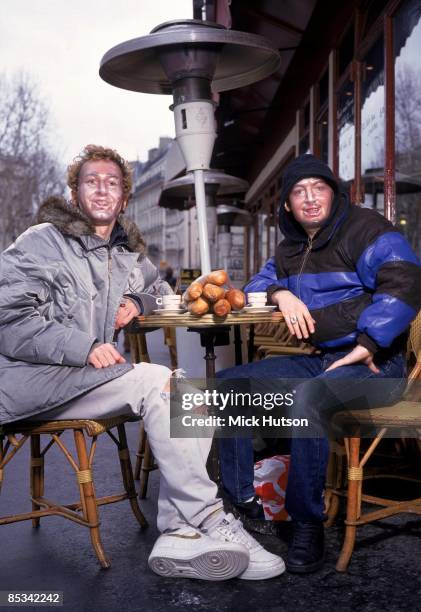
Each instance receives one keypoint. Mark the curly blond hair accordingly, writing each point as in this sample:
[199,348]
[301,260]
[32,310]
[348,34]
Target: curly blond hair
[95,153]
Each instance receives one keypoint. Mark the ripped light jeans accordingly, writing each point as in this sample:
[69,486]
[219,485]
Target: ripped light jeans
[186,493]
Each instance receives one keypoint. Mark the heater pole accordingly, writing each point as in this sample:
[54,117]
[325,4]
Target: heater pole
[199,187]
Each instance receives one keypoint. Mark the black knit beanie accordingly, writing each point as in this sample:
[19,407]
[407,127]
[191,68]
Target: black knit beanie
[302,167]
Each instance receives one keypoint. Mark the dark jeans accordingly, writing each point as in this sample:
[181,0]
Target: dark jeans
[309,456]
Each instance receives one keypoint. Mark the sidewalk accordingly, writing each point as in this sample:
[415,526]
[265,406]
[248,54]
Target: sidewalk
[384,573]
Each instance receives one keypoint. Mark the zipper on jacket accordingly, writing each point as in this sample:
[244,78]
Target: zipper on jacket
[108,293]
[303,263]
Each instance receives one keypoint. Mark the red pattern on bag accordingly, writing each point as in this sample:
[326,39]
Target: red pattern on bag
[270,483]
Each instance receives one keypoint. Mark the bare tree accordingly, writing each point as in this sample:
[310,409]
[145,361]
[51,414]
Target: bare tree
[408,149]
[29,170]
[408,117]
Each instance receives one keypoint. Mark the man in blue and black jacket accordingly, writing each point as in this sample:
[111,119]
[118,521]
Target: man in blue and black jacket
[347,282]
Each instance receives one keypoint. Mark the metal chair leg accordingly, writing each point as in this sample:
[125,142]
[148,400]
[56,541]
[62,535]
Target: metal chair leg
[170,341]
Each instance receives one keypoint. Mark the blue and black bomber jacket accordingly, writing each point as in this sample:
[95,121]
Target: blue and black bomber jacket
[358,277]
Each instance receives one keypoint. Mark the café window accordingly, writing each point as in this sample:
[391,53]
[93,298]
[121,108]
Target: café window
[407,51]
[264,234]
[321,141]
[271,232]
[304,129]
[322,127]
[263,238]
[373,124]
[346,131]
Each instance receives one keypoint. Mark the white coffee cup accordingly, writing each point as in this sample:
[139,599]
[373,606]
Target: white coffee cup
[257,298]
[169,301]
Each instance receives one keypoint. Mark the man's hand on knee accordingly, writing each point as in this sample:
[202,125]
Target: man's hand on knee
[104,355]
[359,354]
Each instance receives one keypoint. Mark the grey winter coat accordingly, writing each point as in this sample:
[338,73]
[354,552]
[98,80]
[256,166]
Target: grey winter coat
[60,288]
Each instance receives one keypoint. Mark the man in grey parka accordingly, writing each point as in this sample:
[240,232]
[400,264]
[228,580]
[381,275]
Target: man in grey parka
[66,285]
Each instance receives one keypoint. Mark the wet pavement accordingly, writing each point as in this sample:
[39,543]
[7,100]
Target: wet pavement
[384,573]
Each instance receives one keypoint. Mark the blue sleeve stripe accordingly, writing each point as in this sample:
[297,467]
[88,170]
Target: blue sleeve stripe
[265,277]
[344,340]
[325,288]
[389,247]
[385,319]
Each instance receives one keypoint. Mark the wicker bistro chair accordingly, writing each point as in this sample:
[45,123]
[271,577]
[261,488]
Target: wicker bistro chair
[85,512]
[396,418]
[275,339]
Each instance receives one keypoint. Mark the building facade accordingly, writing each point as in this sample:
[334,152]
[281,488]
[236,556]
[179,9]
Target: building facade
[172,235]
[169,234]
[348,90]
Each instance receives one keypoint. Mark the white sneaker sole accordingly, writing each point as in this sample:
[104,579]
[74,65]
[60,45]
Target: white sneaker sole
[214,565]
[263,573]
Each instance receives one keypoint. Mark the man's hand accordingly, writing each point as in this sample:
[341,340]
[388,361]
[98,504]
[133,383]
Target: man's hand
[297,316]
[357,355]
[128,310]
[105,355]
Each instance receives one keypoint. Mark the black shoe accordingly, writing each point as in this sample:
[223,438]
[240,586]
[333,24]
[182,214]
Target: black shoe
[307,549]
[252,509]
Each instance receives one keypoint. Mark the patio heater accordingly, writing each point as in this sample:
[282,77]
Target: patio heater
[191,59]
[179,194]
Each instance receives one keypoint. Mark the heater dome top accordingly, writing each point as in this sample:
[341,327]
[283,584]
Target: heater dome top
[179,193]
[224,183]
[230,215]
[241,58]
[177,24]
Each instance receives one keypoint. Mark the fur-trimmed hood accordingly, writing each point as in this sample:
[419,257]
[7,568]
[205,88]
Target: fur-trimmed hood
[71,221]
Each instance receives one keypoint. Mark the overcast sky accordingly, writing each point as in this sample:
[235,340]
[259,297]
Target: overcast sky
[60,44]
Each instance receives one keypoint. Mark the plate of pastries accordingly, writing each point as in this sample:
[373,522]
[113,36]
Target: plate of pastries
[213,294]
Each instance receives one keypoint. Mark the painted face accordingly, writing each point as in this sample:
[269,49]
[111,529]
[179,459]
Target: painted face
[100,191]
[310,201]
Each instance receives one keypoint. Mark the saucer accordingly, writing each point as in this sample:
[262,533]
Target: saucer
[259,308]
[169,311]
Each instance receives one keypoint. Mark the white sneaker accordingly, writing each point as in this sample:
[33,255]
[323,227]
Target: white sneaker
[189,553]
[263,564]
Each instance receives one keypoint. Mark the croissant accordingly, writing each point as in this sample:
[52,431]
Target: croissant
[236,298]
[212,292]
[221,308]
[218,277]
[194,291]
[198,307]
